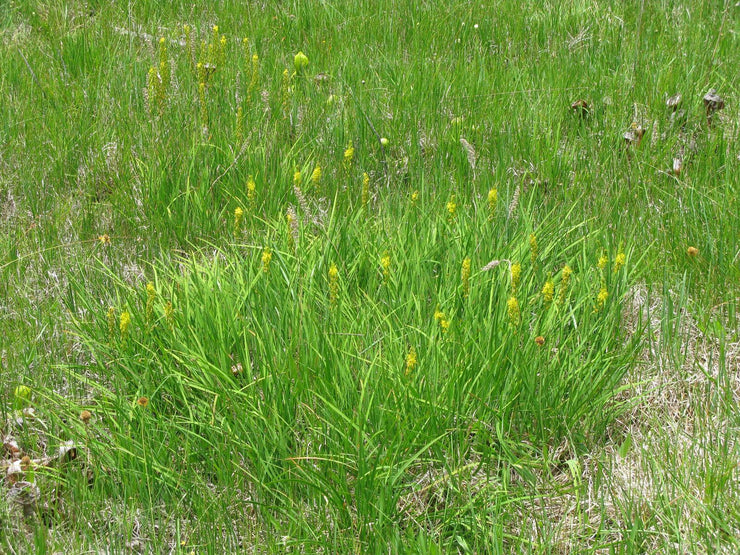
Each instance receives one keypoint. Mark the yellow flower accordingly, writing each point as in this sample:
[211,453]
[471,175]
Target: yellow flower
[564,284]
[451,209]
[411,360]
[142,402]
[539,340]
[385,264]
[692,251]
[333,284]
[442,320]
[533,248]
[104,239]
[151,295]
[124,323]
[465,277]
[516,276]
[603,261]
[316,176]
[238,216]
[601,298]
[619,261]
[349,155]
[111,322]
[492,202]
[548,291]
[251,192]
[512,308]
[266,259]
[414,198]
[297,178]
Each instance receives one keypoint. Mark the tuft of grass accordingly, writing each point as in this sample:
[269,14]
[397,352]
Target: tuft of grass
[479,327]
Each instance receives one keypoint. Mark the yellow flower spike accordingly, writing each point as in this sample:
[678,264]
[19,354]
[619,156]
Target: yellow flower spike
[603,261]
[297,178]
[251,192]
[111,322]
[564,284]
[385,264]
[254,78]
[414,198]
[516,276]
[619,261]
[492,202]
[411,360]
[266,259]
[601,298]
[238,217]
[124,324]
[533,248]
[451,209]
[333,275]
[512,309]
[316,176]
[349,155]
[548,291]
[465,277]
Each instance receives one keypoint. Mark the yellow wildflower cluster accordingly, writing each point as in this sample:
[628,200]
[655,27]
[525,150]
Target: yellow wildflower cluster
[492,202]
[564,284]
[316,177]
[385,264]
[414,198]
[151,296]
[603,261]
[619,260]
[333,284]
[238,217]
[266,259]
[512,309]
[516,277]
[124,324]
[465,277]
[111,323]
[548,291]
[601,298]
[251,193]
[451,209]
[349,155]
[533,248]
[442,320]
[411,360]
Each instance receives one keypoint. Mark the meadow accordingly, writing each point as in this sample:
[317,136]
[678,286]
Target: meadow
[363,276]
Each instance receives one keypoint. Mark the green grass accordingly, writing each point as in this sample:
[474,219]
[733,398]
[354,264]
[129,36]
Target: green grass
[367,385]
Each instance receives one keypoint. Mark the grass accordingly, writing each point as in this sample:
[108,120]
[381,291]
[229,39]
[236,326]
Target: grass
[402,298]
